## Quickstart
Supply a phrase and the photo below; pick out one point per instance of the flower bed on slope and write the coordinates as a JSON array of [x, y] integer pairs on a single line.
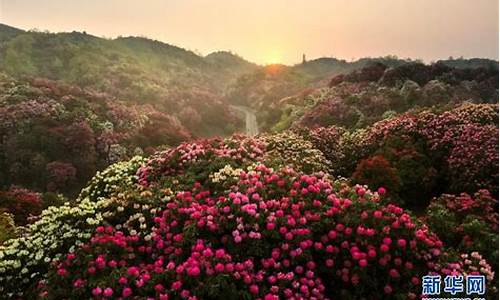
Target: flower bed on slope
[[210, 220], [270, 235]]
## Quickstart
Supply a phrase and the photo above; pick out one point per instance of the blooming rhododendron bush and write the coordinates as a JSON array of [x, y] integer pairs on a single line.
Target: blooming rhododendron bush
[[55, 136], [113, 197], [21, 203], [262, 234], [450, 141], [241, 217], [467, 223], [60, 229], [428, 153], [289, 149], [193, 162]]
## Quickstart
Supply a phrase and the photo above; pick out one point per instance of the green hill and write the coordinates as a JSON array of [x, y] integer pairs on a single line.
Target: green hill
[[7, 32], [195, 89], [133, 69]]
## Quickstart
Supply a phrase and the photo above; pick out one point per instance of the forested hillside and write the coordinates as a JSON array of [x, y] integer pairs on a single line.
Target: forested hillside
[[123, 172], [366, 95]]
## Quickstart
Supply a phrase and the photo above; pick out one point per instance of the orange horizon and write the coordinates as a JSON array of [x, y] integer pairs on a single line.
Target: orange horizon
[[268, 32]]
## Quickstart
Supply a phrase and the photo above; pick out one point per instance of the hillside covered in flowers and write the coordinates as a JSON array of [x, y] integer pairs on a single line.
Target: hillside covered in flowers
[[306, 215], [123, 174]]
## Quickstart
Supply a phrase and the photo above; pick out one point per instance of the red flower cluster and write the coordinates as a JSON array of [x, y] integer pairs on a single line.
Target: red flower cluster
[[377, 172], [201, 158], [20, 202], [272, 235], [461, 144]]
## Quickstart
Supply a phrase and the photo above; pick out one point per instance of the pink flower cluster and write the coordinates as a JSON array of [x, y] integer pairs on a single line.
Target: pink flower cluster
[[274, 235], [21, 203], [481, 205], [465, 139], [469, 264], [210, 154], [473, 158]]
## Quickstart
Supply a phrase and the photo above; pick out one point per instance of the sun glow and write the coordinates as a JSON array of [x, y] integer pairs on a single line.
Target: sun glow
[[273, 57]]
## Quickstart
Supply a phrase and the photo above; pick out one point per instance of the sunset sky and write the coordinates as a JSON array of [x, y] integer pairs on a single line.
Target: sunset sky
[[271, 31]]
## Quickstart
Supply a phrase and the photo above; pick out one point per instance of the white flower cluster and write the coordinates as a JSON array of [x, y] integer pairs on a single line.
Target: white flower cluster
[[113, 179], [58, 229], [111, 195], [62, 229], [225, 173], [289, 149]]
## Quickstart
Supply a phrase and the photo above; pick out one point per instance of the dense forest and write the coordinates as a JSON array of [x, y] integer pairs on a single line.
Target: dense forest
[[124, 172]]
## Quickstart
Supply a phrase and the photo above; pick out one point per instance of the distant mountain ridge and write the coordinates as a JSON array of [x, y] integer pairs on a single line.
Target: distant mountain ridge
[[228, 58], [174, 80], [7, 32], [54, 55], [136, 70]]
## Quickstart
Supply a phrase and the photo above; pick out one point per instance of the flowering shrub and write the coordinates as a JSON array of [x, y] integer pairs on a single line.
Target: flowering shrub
[[405, 127], [432, 153], [275, 234], [57, 231], [112, 180], [475, 264], [468, 264], [416, 171], [377, 172], [435, 92], [354, 147], [330, 141], [62, 229], [483, 114], [55, 137], [439, 130], [411, 91], [466, 140], [60, 174], [193, 162], [28, 110], [466, 223], [7, 227], [117, 153], [112, 197], [333, 111], [21, 203], [473, 159], [289, 149]]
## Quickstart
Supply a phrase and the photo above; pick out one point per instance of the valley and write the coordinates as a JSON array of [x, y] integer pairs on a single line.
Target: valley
[[135, 169], [251, 126]]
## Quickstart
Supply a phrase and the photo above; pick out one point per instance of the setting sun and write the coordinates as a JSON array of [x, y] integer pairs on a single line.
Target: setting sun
[[273, 57], [256, 150]]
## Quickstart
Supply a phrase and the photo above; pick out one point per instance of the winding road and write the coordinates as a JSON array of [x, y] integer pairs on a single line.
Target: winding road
[[250, 119]]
